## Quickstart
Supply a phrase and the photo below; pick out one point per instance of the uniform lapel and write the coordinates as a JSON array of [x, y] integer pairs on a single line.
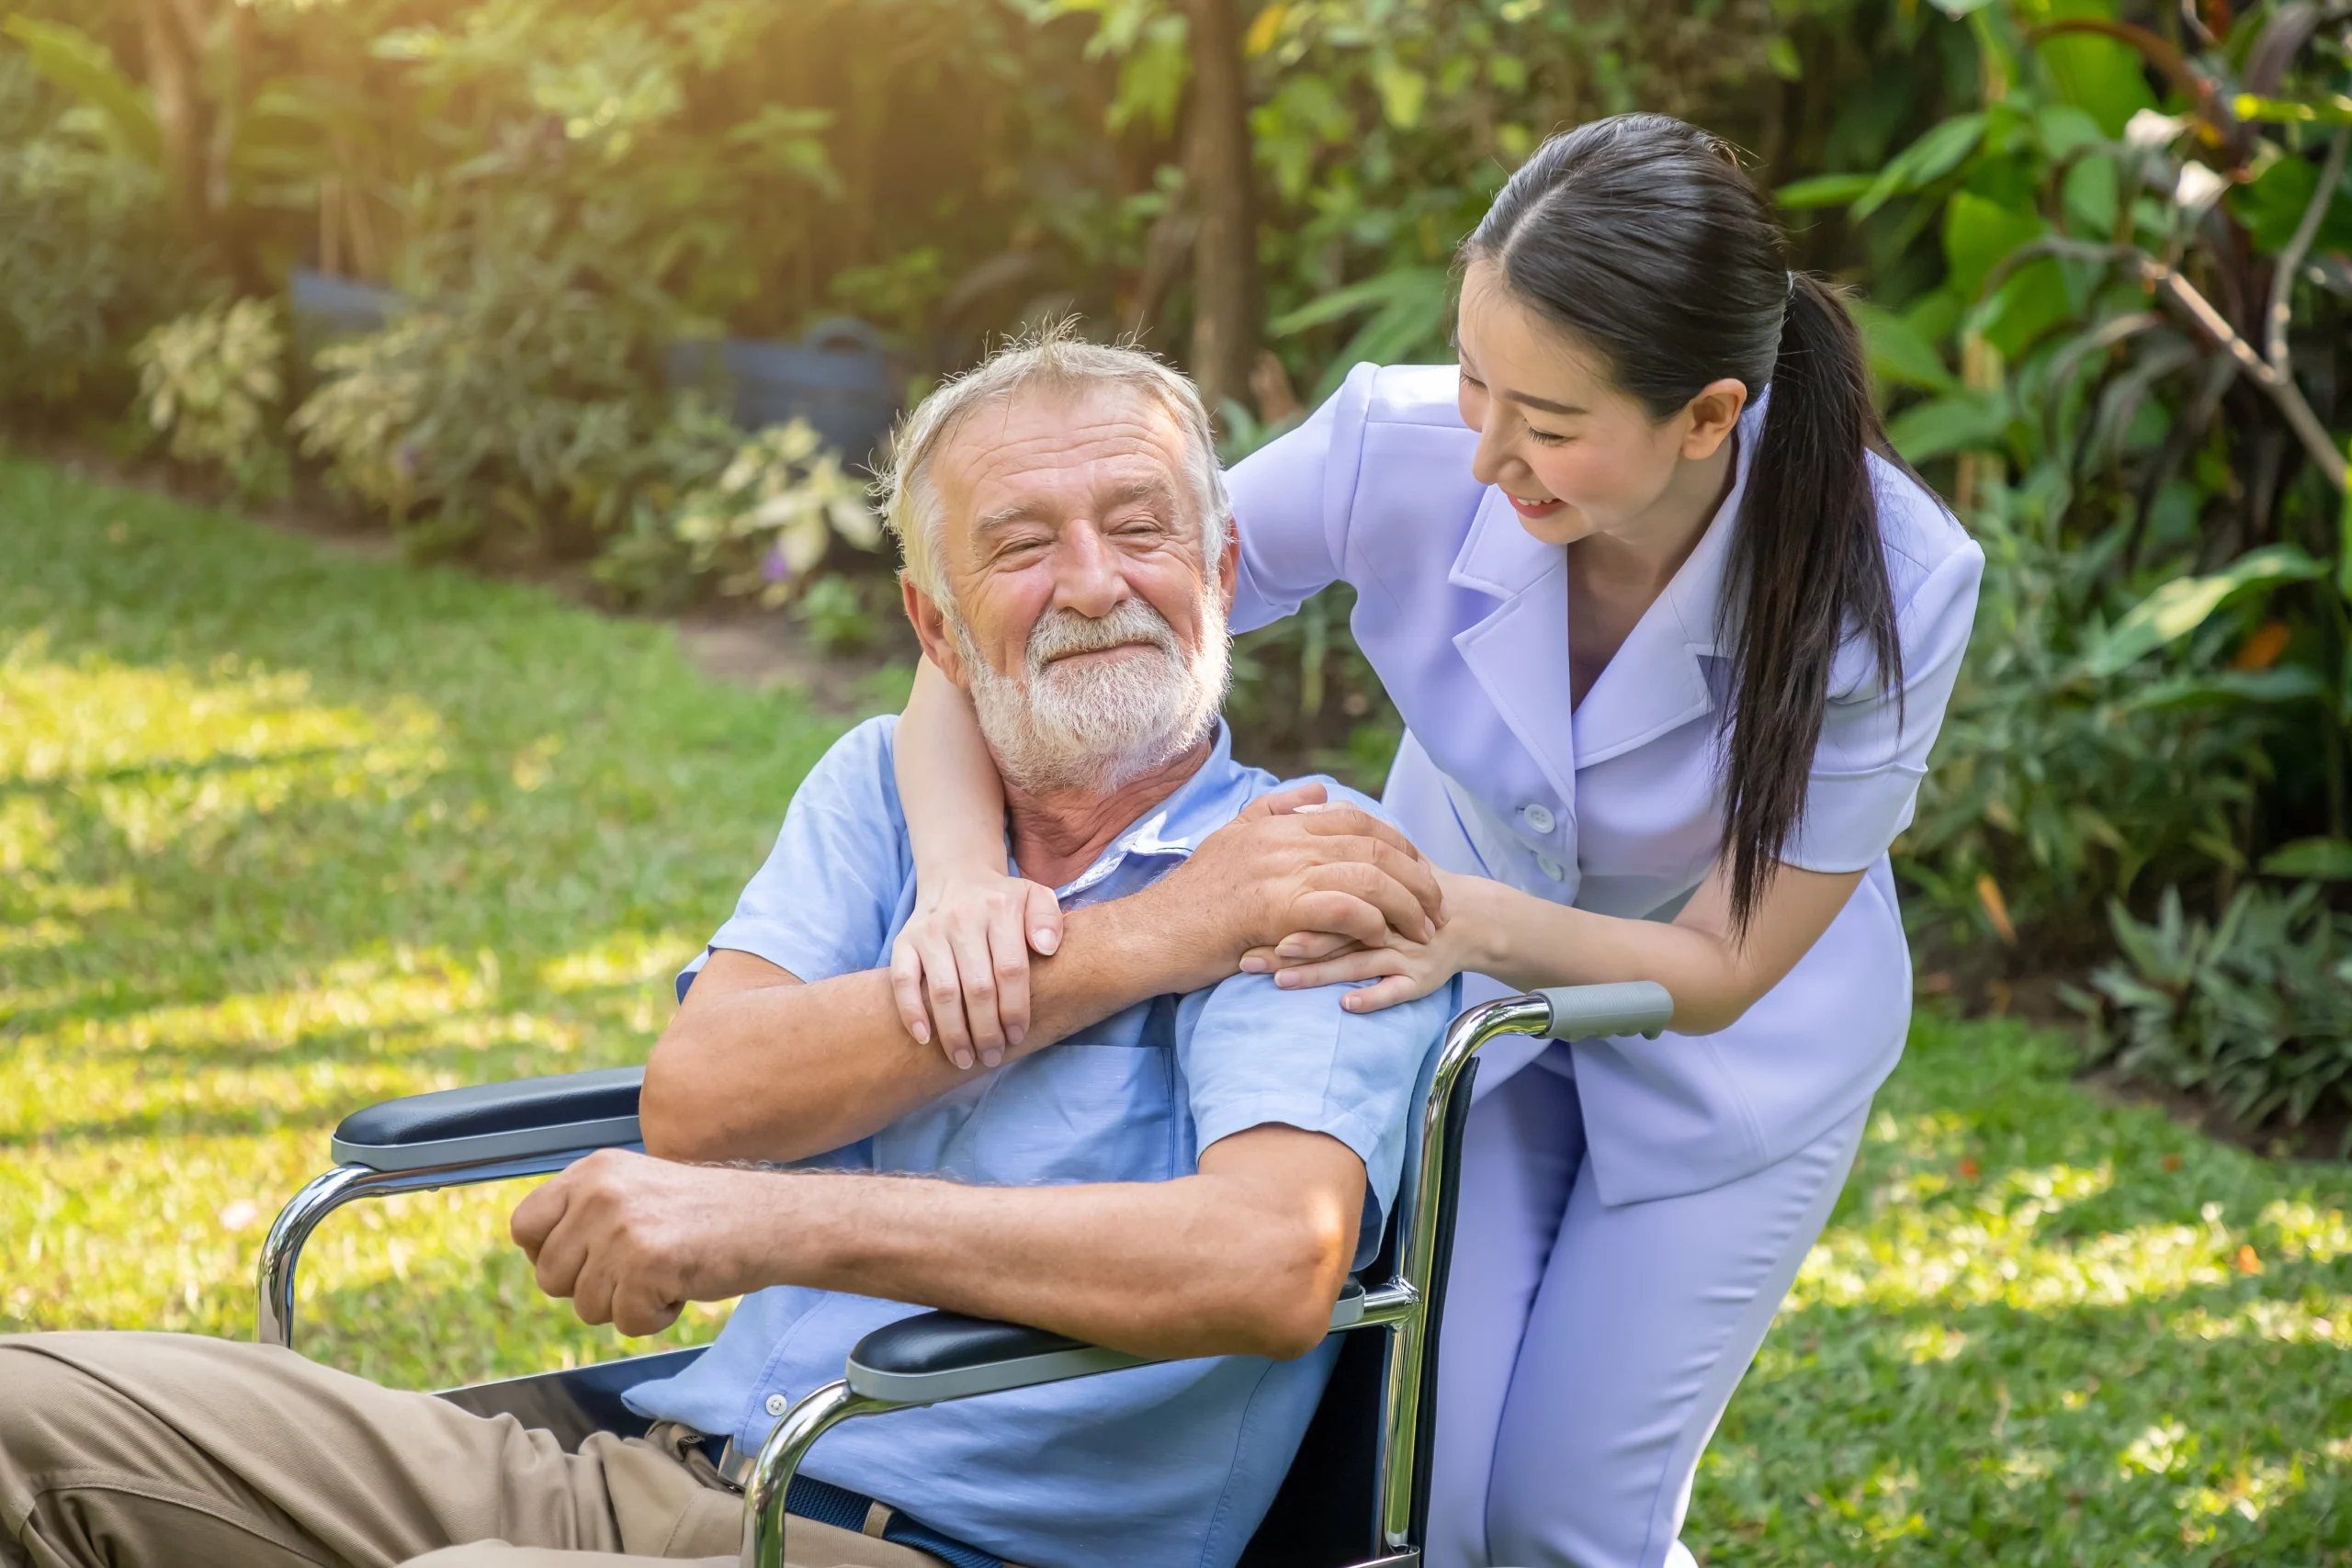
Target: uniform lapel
[[1519, 652]]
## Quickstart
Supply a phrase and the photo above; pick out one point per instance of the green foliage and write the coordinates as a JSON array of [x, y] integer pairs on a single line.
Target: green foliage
[[212, 382], [83, 266], [2161, 681], [835, 614], [514, 414], [2254, 1008], [768, 519]]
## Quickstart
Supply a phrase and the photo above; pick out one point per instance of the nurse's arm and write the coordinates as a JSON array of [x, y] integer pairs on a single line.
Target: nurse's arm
[[1244, 1258], [966, 948], [1713, 975]]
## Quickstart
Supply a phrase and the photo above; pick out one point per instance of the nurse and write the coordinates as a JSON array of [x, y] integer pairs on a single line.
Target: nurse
[[1671, 633]]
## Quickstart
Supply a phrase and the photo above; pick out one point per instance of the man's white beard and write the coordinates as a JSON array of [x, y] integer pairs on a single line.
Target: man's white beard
[[1097, 723]]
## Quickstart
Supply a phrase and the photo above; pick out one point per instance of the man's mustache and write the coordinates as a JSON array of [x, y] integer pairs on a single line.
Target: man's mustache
[[1061, 633]]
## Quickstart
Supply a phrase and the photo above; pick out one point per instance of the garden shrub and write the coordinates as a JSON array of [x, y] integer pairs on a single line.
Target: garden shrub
[[84, 268], [213, 383], [2254, 1009]]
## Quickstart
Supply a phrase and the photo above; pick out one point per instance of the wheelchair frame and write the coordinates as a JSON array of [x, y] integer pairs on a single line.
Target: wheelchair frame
[[533, 1127]]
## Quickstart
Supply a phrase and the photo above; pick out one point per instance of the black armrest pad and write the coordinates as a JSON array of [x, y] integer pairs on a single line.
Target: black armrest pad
[[948, 1341], [497, 1120], [944, 1355]]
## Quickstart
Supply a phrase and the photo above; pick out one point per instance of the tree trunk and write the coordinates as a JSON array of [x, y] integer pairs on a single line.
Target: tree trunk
[[1217, 177], [179, 115]]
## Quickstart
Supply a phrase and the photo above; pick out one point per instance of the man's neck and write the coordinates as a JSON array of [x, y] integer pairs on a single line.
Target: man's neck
[[1057, 833]]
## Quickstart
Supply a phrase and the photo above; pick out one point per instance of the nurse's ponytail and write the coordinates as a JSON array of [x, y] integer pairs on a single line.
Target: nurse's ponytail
[[1644, 238]]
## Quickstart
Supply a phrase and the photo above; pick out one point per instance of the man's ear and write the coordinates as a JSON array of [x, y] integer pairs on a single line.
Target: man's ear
[[1228, 565], [1713, 415], [931, 629]]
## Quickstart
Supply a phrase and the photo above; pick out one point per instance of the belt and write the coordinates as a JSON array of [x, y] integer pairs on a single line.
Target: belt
[[845, 1509]]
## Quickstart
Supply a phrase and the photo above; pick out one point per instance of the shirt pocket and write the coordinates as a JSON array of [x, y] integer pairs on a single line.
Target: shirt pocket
[[1071, 1113]]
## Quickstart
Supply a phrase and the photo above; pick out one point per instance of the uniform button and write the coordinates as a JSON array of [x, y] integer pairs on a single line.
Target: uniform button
[[778, 1404], [1538, 818], [1550, 867]]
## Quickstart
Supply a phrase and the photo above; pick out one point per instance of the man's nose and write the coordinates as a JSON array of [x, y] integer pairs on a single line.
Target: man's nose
[[1087, 577]]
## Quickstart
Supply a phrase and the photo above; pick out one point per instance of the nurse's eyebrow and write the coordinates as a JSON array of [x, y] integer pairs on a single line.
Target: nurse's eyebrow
[[1546, 404]]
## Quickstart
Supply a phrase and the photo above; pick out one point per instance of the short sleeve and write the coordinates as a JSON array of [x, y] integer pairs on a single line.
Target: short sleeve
[[1256, 1055], [1283, 513], [824, 902], [1874, 750]]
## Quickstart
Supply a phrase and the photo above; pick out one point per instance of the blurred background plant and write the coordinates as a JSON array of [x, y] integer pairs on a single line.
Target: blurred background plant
[[211, 383], [2103, 247]]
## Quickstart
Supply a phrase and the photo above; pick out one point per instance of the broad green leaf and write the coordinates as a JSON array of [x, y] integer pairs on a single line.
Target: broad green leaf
[[1410, 282], [2180, 606], [2028, 302], [1780, 55], [1962, 421], [1403, 91], [1822, 190], [2273, 203], [2225, 687], [2101, 75], [2089, 193], [2065, 127], [1898, 352], [83, 66], [1931, 158], [2321, 859], [1977, 233]]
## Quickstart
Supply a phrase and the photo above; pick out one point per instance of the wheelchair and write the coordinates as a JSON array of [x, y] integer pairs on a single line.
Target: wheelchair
[[1357, 1492]]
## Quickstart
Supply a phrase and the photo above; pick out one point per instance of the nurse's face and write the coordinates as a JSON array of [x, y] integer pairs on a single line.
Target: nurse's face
[[1576, 454]]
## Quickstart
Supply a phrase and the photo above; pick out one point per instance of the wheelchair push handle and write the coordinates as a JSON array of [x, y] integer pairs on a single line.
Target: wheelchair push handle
[[1622, 1006]]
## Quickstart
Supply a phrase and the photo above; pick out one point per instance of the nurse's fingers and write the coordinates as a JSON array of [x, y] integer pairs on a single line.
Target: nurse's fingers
[[1368, 964], [977, 968], [1384, 993], [906, 989], [1310, 946]]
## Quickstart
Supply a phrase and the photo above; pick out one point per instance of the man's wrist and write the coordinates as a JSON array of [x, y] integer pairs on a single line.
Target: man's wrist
[[1159, 938]]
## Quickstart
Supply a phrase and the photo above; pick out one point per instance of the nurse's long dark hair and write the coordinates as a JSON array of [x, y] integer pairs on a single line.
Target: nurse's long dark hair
[[1644, 238]]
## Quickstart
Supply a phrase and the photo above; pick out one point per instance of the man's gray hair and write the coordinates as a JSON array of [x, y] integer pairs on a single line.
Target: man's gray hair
[[1052, 358]]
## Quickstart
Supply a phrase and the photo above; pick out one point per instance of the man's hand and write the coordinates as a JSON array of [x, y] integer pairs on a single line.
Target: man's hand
[[632, 1239], [1289, 862]]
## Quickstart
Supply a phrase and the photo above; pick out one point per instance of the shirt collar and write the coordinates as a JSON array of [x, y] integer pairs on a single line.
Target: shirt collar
[[1173, 829]]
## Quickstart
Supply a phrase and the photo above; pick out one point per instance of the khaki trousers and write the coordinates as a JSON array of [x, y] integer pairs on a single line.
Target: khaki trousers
[[167, 1450]]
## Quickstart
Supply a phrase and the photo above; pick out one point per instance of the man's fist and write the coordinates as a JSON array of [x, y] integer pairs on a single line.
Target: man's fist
[[631, 1239]]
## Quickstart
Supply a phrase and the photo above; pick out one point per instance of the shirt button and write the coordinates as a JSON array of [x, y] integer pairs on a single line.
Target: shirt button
[[778, 1404], [1538, 818], [1550, 867]]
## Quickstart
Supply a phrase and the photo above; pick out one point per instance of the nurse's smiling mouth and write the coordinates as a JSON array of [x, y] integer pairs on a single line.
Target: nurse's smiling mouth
[[1534, 509]]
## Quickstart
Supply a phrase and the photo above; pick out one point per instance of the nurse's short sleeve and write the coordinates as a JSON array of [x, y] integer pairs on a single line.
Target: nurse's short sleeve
[[1874, 751], [1292, 537], [823, 902], [1257, 1055]]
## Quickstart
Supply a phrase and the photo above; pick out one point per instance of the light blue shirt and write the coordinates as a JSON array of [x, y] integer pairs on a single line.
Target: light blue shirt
[[1156, 1467]]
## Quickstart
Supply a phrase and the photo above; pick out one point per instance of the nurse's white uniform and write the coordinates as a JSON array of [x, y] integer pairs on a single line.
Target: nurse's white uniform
[[1633, 1211]]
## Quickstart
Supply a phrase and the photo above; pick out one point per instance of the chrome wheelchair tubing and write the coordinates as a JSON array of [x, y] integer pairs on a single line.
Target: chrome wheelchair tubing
[[787, 1444], [274, 1310], [1402, 1303]]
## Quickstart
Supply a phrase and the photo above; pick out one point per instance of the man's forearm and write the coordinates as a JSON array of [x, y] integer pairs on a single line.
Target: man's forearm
[[780, 1072], [1202, 1265]]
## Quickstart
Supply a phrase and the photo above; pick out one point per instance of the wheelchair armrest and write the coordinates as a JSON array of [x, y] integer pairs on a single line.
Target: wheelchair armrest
[[936, 1356], [516, 1120], [1619, 1006]]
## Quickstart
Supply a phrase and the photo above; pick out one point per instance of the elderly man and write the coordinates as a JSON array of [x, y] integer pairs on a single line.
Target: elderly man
[[1178, 1160]]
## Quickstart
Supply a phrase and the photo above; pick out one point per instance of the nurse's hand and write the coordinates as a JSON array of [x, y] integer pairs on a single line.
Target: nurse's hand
[[962, 962], [1293, 861]]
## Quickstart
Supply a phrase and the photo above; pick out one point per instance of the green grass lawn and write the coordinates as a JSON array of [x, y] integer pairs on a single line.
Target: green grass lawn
[[283, 833]]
